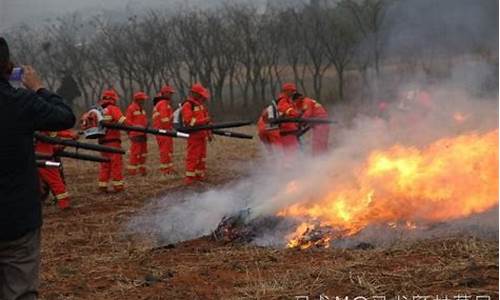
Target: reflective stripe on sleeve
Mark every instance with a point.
(62, 196)
(166, 166)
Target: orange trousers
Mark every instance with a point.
(52, 176)
(137, 157)
(166, 147)
(111, 170)
(271, 140)
(320, 134)
(196, 156)
(289, 143)
(290, 148)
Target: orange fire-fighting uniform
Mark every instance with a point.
(162, 119)
(136, 116)
(287, 109)
(312, 109)
(52, 176)
(195, 113)
(114, 169)
(269, 134)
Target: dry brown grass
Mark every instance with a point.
(86, 254)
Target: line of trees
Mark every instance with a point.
(240, 53)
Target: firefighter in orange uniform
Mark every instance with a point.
(136, 116)
(114, 169)
(52, 176)
(162, 119)
(286, 109)
(269, 134)
(310, 108)
(195, 113)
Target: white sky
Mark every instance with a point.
(13, 12)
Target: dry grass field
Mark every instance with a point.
(88, 255)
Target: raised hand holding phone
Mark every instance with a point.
(30, 79)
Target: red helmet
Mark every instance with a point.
(109, 96)
(200, 90)
(167, 89)
(140, 96)
(289, 87)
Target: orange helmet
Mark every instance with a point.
(200, 90)
(167, 89)
(289, 87)
(109, 97)
(110, 94)
(140, 96)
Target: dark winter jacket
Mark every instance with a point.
(21, 114)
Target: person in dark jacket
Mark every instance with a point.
(22, 112)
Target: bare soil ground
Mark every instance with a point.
(86, 254)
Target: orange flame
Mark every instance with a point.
(452, 178)
(309, 235)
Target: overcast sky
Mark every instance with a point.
(14, 12)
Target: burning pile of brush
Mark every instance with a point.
(397, 188)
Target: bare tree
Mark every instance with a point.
(292, 44)
(369, 17)
(316, 60)
(340, 40)
(246, 22)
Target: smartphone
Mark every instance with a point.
(17, 74)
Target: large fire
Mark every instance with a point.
(451, 178)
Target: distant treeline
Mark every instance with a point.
(243, 54)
